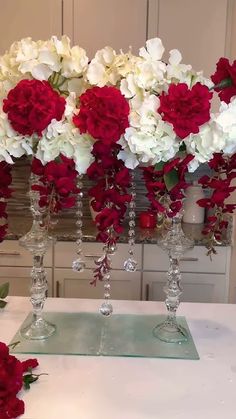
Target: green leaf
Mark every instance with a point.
(4, 290)
(29, 379)
(159, 166)
(2, 303)
(182, 147)
(171, 179)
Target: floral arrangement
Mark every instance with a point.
(14, 374)
(109, 116)
(39, 85)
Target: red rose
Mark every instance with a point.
(4, 351)
(29, 364)
(32, 105)
(14, 407)
(186, 109)
(225, 78)
(11, 374)
(103, 114)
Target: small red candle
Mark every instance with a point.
(147, 219)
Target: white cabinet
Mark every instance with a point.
(203, 279)
(204, 288)
(118, 23)
(65, 254)
(16, 265)
(19, 280)
(39, 19)
(124, 285)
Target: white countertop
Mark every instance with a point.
(80, 387)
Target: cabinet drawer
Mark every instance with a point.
(195, 260)
(19, 280)
(12, 254)
(199, 288)
(65, 254)
(69, 284)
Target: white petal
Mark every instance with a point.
(175, 57)
(41, 72)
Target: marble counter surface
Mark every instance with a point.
(65, 230)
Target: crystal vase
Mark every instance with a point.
(175, 243)
(37, 242)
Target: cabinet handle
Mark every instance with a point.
(147, 292)
(57, 289)
(189, 259)
(92, 256)
(13, 253)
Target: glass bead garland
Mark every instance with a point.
(130, 264)
(78, 265)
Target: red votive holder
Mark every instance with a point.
(147, 219)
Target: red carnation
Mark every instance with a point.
(186, 109)
(32, 105)
(225, 79)
(103, 114)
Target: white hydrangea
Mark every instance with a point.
(11, 143)
(108, 67)
(148, 140)
(43, 58)
(62, 137)
(226, 122)
(204, 144)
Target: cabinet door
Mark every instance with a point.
(69, 284)
(197, 28)
(19, 280)
(202, 288)
(118, 23)
(65, 254)
(23, 18)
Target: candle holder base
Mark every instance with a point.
(38, 329)
(170, 332)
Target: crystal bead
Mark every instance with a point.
(131, 242)
(78, 242)
(130, 265)
(131, 214)
(78, 265)
(132, 204)
(106, 295)
(106, 309)
(131, 233)
(79, 204)
(132, 223)
(107, 287)
(80, 194)
(79, 214)
(79, 223)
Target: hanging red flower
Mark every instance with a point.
(186, 109)
(224, 79)
(103, 114)
(31, 105)
(57, 186)
(166, 184)
(220, 186)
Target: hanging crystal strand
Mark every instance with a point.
(37, 242)
(130, 264)
(78, 265)
(175, 244)
(106, 308)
